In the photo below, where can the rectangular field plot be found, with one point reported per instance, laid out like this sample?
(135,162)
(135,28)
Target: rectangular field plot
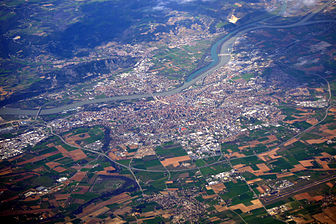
(169,150)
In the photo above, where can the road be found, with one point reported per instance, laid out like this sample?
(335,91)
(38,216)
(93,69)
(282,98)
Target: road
(219,161)
(225,44)
(98,153)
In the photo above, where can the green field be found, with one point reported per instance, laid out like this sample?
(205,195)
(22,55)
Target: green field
(235,190)
(176,63)
(169,150)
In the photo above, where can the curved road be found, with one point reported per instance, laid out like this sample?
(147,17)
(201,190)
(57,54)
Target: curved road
(226,44)
(99,153)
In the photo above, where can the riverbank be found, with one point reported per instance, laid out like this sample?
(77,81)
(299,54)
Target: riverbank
(225,44)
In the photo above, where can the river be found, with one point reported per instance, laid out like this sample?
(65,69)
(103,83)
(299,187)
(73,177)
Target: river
(225,44)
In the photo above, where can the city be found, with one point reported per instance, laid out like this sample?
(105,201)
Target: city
(206,120)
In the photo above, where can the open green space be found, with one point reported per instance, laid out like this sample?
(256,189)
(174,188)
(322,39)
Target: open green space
(281,164)
(105,184)
(176,63)
(215,169)
(169,150)
(234,190)
(147,162)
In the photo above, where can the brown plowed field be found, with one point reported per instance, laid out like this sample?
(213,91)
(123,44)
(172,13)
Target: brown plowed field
(38,158)
(78,176)
(218,187)
(52,165)
(175,161)
(256,204)
(306,163)
(60,169)
(263,167)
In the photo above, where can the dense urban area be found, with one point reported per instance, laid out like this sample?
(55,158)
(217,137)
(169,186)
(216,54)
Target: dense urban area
(198,112)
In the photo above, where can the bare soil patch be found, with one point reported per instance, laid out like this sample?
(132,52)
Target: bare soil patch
(175,161)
